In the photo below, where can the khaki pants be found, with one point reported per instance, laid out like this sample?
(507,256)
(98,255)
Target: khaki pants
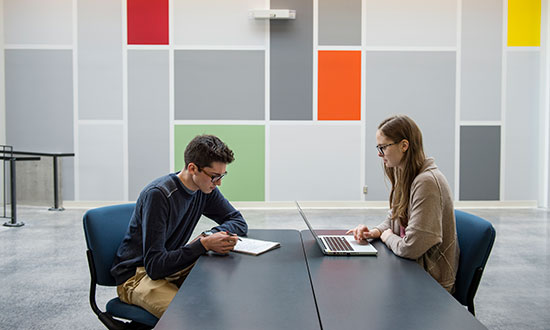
(152,295)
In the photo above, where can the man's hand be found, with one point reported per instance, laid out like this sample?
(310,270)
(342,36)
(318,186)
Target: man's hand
(361,232)
(219,242)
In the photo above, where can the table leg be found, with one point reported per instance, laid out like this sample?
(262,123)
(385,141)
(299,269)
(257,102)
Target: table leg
(55,190)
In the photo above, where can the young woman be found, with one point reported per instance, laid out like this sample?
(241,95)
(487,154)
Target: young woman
(421,221)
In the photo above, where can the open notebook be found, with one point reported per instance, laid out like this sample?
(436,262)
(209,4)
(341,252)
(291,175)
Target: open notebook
(254,246)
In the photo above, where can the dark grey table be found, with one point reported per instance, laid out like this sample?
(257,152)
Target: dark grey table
(382,292)
(238,291)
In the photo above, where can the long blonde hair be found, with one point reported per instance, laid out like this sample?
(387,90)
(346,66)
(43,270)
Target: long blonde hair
(398,128)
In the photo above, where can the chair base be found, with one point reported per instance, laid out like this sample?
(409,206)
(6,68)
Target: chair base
(119,309)
(113,324)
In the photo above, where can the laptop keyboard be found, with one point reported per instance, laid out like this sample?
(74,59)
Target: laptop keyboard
(337,243)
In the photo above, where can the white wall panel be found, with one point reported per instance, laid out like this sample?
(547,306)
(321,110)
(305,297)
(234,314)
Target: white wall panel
(38,22)
(521,128)
(309,162)
(99,59)
(218,22)
(420,23)
(101,169)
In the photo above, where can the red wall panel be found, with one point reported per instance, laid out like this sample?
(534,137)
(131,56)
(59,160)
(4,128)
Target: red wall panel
(147,22)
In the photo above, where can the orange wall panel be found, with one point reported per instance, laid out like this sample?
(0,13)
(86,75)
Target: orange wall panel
(339,85)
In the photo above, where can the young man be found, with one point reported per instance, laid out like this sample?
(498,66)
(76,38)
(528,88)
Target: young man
(155,256)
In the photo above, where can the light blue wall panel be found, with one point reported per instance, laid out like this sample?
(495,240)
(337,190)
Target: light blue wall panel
(39,105)
(522,154)
(219,84)
(99,59)
(148,118)
(100,164)
(340,22)
(422,86)
(481,64)
(38,22)
(479,163)
(291,62)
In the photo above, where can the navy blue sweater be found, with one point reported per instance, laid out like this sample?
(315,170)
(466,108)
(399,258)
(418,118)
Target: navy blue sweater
(162,223)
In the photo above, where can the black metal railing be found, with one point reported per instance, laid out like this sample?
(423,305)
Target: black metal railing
(7,155)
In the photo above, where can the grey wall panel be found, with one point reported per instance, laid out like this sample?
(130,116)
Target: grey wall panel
(481,64)
(479,163)
(340,22)
(39,104)
(219,84)
(291,62)
(522,154)
(99,59)
(422,86)
(101,165)
(148,118)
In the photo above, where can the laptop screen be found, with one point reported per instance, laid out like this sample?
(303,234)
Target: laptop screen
(309,225)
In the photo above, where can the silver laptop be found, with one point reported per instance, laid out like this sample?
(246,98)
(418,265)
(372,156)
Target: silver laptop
(339,245)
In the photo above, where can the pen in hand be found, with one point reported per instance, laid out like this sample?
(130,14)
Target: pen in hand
(232,234)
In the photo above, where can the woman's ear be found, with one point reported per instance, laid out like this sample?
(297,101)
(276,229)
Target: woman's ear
(404,145)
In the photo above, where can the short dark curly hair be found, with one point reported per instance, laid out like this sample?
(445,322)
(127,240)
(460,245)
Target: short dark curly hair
(205,149)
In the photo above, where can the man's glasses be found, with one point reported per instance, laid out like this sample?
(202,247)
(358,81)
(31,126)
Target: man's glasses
(214,177)
(383,147)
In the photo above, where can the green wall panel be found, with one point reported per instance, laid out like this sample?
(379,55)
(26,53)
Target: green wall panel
(246,178)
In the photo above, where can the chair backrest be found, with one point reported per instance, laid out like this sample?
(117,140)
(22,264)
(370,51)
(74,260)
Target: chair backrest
(105,228)
(475,239)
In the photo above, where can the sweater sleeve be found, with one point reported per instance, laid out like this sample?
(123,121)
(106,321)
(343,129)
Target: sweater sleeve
(384,225)
(158,261)
(222,212)
(424,229)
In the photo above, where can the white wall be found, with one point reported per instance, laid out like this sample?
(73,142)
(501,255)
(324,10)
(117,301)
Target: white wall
(425,28)
(544,136)
(2,91)
(2,88)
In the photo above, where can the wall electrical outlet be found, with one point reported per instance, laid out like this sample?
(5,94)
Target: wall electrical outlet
(365,190)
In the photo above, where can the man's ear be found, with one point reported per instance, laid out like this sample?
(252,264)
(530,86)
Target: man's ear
(192,168)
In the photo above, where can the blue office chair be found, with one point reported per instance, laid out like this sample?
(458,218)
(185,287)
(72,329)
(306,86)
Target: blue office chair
(104,228)
(475,239)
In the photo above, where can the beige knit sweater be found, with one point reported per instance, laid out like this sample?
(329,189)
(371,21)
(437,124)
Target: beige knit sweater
(430,236)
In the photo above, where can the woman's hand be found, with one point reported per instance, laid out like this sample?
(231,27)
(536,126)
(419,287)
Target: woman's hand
(362,232)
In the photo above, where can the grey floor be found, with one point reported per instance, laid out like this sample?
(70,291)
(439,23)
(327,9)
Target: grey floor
(44,279)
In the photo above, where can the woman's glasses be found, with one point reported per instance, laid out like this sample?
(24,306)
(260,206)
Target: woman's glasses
(383,147)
